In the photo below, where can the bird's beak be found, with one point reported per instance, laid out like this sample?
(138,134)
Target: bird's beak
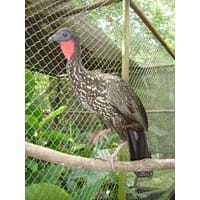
(53,38)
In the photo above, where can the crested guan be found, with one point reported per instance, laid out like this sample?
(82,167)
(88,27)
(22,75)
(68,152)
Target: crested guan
(110,97)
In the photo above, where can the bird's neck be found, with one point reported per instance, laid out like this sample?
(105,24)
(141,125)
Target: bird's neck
(77,72)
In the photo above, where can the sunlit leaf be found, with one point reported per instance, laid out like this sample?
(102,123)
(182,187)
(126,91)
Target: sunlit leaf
(32,122)
(34,110)
(29,86)
(45,191)
(52,115)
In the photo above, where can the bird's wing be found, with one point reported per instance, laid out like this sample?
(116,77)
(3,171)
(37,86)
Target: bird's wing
(121,96)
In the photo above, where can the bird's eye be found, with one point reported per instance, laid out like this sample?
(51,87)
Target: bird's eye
(65,34)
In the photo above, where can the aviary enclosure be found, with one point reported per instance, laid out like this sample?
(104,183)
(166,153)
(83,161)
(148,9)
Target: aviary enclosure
(117,38)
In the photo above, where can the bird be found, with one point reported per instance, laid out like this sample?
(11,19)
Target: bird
(110,97)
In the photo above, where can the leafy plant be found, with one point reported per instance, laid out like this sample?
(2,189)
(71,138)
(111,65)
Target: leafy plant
(46,191)
(38,130)
(80,181)
(51,116)
(29,86)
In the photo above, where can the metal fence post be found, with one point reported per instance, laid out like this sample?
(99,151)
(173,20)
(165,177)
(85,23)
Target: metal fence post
(125,76)
(125,40)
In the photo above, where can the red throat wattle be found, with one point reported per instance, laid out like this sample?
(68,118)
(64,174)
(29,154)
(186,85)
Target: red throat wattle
(68,48)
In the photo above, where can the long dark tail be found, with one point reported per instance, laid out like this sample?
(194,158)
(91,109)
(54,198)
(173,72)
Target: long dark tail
(138,149)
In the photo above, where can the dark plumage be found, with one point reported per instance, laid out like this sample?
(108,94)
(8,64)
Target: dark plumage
(110,97)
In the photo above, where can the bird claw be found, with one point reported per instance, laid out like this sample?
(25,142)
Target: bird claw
(113,156)
(109,159)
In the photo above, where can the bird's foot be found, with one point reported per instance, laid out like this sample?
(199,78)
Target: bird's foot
(113,156)
(109,159)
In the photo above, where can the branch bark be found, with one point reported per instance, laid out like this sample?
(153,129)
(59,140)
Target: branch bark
(71,161)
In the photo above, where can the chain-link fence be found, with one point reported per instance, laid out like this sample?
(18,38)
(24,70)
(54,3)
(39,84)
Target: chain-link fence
(54,117)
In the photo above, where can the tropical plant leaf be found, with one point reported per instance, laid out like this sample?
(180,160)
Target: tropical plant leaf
(32,165)
(52,115)
(82,180)
(46,191)
(92,190)
(52,135)
(35,111)
(50,174)
(32,125)
(29,86)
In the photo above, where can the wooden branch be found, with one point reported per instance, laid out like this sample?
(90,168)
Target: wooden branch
(70,161)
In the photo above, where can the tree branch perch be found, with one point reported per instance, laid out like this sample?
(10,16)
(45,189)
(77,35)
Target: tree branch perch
(71,161)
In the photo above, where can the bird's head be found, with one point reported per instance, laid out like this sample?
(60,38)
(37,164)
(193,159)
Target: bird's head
(69,42)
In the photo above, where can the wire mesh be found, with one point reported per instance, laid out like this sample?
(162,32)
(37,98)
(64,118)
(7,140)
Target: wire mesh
(54,117)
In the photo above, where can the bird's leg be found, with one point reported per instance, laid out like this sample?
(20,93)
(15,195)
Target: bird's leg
(113,156)
(99,134)
(115,153)
(118,149)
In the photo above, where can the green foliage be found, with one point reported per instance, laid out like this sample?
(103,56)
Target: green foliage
(161,14)
(162,179)
(168,193)
(54,138)
(31,126)
(39,131)
(80,181)
(34,110)
(157,187)
(50,174)
(31,165)
(29,86)
(40,171)
(46,191)
(51,116)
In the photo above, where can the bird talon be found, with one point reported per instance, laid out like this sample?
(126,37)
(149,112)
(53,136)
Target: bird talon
(101,158)
(109,159)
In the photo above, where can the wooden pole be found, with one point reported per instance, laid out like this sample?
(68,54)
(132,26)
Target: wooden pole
(125,40)
(125,76)
(151,27)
